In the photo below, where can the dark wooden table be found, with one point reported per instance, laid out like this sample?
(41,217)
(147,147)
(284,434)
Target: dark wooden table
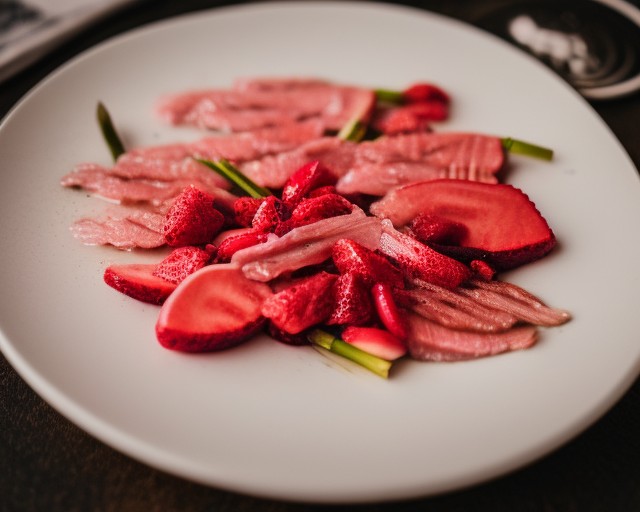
(48,464)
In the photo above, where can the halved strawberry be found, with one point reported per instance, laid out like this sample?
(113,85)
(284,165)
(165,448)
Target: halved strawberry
(182,262)
(353,304)
(192,219)
(313,209)
(320,191)
(351,257)
(232,244)
(425,92)
(431,228)
(277,334)
(388,312)
(245,209)
(305,303)
(482,269)
(137,280)
(213,309)
(420,261)
(375,341)
(268,215)
(308,177)
(504,227)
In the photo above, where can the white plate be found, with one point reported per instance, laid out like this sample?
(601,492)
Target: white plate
(284,422)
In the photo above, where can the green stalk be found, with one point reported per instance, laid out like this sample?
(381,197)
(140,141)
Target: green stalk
(228,171)
(525,148)
(389,96)
(353,131)
(329,342)
(109,132)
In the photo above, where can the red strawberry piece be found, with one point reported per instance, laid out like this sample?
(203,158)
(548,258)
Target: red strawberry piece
(287,338)
(352,301)
(181,263)
(245,209)
(307,302)
(483,270)
(269,214)
(138,282)
(388,312)
(192,219)
(397,120)
(213,309)
(308,177)
(229,246)
(504,227)
(351,257)
(430,228)
(313,209)
(375,341)
(425,92)
(320,191)
(428,110)
(420,261)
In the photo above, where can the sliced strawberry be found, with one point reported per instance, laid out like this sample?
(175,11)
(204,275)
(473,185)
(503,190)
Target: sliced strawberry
(388,312)
(320,191)
(297,339)
(375,341)
(308,177)
(397,120)
(420,261)
(245,209)
(482,269)
(182,262)
(192,219)
(425,92)
(268,215)
(351,257)
(305,303)
(430,228)
(504,227)
(213,309)
(313,209)
(232,244)
(353,304)
(137,280)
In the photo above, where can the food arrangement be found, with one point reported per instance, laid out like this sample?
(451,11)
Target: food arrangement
(324,214)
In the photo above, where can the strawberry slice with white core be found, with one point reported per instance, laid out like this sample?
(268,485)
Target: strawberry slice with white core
(213,309)
(375,341)
(137,280)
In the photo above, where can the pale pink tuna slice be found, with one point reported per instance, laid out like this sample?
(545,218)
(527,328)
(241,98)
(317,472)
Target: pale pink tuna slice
(277,83)
(273,171)
(471,152)
(99,181)
(174,161)
(241,110)
(124,227)
(306,245)
(514,300)
(378,178)
(452,309)
(428,341)
(121,233)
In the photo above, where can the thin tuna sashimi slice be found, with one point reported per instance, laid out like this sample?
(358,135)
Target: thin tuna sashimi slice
(378,178)
(273,171)
(306,245)
(236,110)
(124,227)
(175,161)
(454,310)
(428,341)
(472,153)
(514,300)
(99,181)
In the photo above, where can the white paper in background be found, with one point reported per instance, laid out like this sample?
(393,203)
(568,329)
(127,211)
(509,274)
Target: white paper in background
(31,28)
